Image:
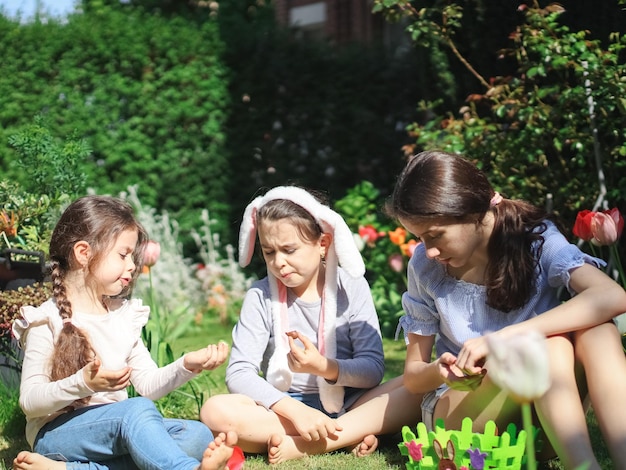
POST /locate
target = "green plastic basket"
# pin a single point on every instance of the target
(471, 450)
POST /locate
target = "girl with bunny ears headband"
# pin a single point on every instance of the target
(342, 250)
(307, 344)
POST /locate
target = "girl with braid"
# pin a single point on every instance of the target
(83, 348)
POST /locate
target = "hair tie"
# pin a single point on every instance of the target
(67, 320)
(495, 200)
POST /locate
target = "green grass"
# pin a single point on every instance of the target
(186, 403)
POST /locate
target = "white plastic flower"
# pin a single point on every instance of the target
(519, 364)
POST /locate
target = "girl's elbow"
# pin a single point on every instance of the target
(28, 411)
(411, 384)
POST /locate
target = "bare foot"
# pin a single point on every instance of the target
(32, 461)
(281, 448)
(274, 449)
(218, 452)
(366, 447)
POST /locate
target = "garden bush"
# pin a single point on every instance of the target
(146, 93)
(385, 247)
(550, 129)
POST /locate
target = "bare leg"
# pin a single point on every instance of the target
(487, 403)
(218, 452)
(561, 411)
(382, 410)
(26, 460)
(600, 351)
(252, 423)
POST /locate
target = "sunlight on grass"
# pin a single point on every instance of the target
(186, 401)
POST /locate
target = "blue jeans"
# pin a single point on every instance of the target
(127, 435)
(313, 400)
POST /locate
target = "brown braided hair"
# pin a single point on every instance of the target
(97, 220)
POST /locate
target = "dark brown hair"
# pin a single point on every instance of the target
(436, 185)
(98, 220)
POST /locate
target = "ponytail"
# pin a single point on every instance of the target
(514, 249)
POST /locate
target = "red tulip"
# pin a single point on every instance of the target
(582, 226)
(369, 234)
(600, 228)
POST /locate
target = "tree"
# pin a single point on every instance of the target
(543, 130)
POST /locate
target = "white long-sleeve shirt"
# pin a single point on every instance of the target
(116, 339)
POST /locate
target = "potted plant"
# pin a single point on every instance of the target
(50, 178)
(25, 227)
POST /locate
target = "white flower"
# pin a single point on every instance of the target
(358, 241)
(519, 364)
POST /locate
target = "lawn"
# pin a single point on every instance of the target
(186, 403)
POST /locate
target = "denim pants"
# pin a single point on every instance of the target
(127, 435)
(313, 400)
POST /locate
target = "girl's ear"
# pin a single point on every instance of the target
(82, 253)
(325, 241)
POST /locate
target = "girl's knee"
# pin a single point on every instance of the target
(213, 409)
(141, 406)
(223, 412)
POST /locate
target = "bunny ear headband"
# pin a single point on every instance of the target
(342, 251)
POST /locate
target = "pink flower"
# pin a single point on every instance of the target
(415, 450)
(396, 262)
(600, 228)
(607, 226)
(151, 253)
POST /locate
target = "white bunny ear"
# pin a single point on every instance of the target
(348, 254)
(343, 251)
(247, 233)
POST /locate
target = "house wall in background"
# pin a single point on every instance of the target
(340, 21)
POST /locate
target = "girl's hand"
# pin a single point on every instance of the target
(307, 360)
(455, 377)
(209, 358)
(314, 425)
(471, 358)
(103, 380)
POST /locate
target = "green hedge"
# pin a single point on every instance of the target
(147, 93)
